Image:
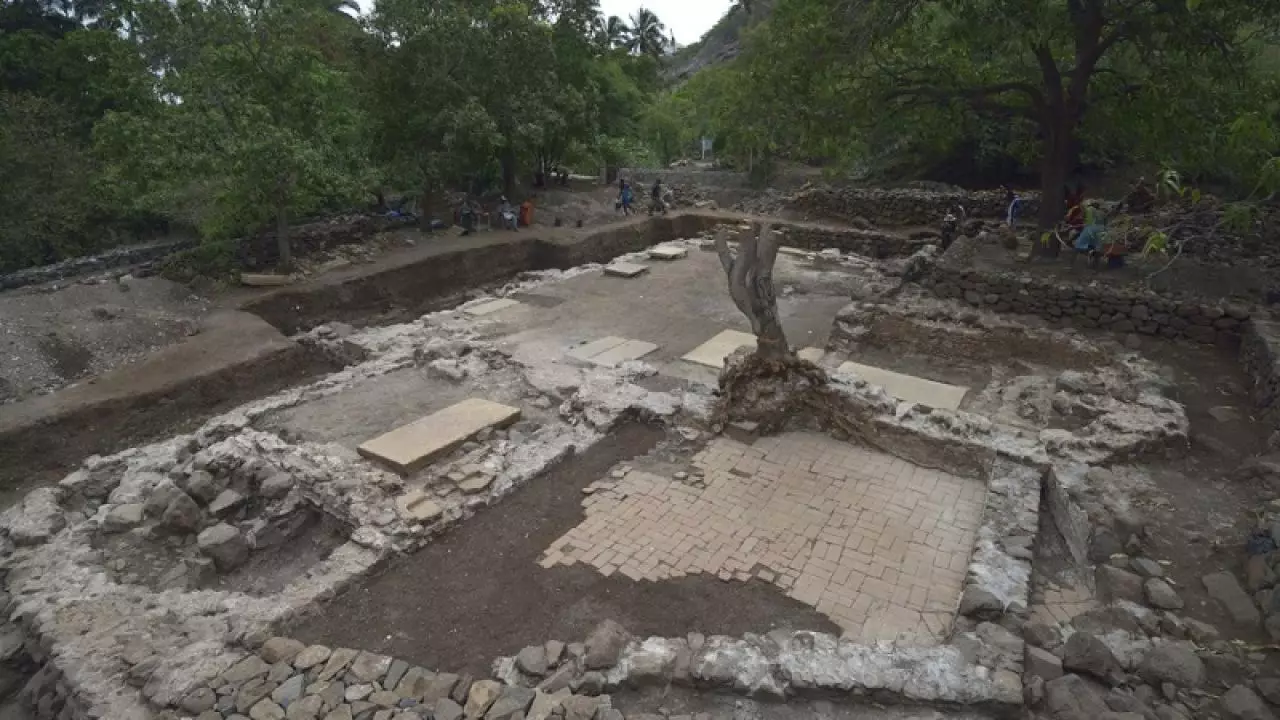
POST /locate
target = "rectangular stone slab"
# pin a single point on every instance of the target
(626, 269)
(909, 387)
(411, 446)
(264, 279)
(713, 352)
(629, 350)
(490, 306)
(595, 347)
(668, 252)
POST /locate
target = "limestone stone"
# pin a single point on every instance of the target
(604, 645)
(385, 698)
(305, 708)
(1241, 703)
(250, 667)
(668, 252)
(276, 486)
(225, 545)
(1116, 584)
(199, 700)
(280, 649)
(414, 682)
(1146, 567)
(554, 649)
(910, 388)
(227, 502)
(1070, 698)
(1270, 689)
(579, 707)
(532, 660)
(438, 687)
(182, 515)
(1039, 662)
(289, 691)
(311, 656)
(357, 692)
(1085, 652)
(395, 672)
(1223, 587)
(122, 518)
(201, 485)
(446, 709)
(1160, 595)
(480, 697)
(419, 506)
(412, 446)
(341, 712)
(251, 693)
(512, 700)
(488, 307)
(338, 661)
(266, 710)
(1172, 662)
(368, 667)
(544, 705)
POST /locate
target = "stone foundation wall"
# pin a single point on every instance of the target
(1260, 357)
(1119, 310)
(904, 206)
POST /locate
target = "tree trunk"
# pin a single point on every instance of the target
(282, 237)
(1054, 168)
(424, 210)
(508, 171)
(750, 275)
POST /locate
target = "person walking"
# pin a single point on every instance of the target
(626, 198)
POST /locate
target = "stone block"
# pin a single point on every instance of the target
(929, 393)
(412, 446)
(489, 307)
(626, 269)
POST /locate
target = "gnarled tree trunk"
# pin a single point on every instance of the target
(750, 275)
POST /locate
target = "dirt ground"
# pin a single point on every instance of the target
(478, 592)
(57, 334)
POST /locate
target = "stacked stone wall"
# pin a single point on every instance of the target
(1260, 358)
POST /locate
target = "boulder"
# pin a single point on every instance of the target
(182, 515)
(1161, 595)
(1071, 698)
(280, 649)
(532, 660)
(122, 518)
(276, 486)
(1241, 703)
(512, 700)
(225, 545)
(1116, 584)
(605, 645)
(1038, 662)
(483, 693)
(1172, 662)
(1085, 652)
(1223, 587)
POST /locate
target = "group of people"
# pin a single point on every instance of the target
(627, 197)
(1084, 224)
(470, 210)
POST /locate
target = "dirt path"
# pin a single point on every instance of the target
(478, 592)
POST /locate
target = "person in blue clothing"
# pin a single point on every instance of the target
(1014, 204)
(627, 197)
(1089, 241)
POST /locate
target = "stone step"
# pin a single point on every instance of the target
(409, 447)
(713, 352)
(626, 269)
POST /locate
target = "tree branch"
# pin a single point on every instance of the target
(981, 98)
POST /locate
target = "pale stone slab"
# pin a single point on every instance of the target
(411, 446)
(668, 252)
(812, 354)
(595, 347)
(626, 269)
(264, 279)
(629, 350)
(909, 387)
(490, 306)
(715, 351)
(417, 505)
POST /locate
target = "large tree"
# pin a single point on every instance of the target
(257, 127)
(885, 73)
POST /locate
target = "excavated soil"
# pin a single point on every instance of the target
(478, 593)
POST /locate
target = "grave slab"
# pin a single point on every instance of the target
(626, 269)
(629, 350)
(668, 252)
(909, 387)
(264, 280)
(490, 306)
(713, 352)
(412, 446)
(595, 347)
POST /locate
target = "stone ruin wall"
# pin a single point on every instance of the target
(1260, 357)
(904, 206)
(1118, 310)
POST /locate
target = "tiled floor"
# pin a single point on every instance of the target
(879, 545)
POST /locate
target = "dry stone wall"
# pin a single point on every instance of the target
(1119, 310)
(1260, 356)
(903, 206)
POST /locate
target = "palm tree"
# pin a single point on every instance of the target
(648, 34)
(614, 32)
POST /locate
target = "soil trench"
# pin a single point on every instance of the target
(478, 593)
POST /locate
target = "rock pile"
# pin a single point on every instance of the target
(901, 206)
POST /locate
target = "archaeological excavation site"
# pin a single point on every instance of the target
(624, 471)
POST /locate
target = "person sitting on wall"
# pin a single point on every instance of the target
(1091, 238)
(1014, 205)
(508, 215)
